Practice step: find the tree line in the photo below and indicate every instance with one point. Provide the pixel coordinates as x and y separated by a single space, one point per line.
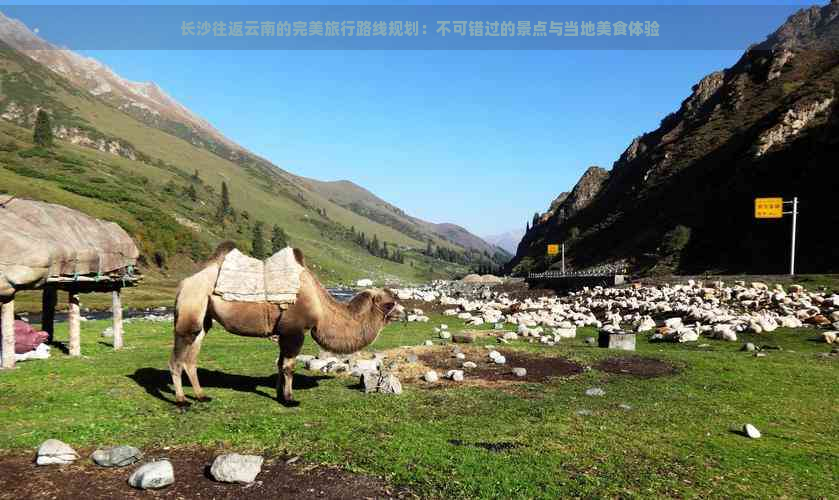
377 249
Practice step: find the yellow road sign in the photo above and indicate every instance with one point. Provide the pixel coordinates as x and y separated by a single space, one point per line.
553 249
769 208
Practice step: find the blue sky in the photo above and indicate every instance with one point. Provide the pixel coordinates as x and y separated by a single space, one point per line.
479 138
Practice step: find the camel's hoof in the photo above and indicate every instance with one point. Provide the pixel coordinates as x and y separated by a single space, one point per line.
204 399
182 406
289 403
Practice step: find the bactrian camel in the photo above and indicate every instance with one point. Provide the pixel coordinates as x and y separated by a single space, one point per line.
337 327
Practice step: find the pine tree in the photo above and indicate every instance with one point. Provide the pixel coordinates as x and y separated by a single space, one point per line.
196 177
279 240
225 198
43 130
258 244
192 193
535 219
224 208
374 245
428 249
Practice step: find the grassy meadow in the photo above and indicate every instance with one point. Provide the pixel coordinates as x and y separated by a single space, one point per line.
679 437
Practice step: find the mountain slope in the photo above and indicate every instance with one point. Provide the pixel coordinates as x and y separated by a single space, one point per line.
680 198
509 241
133 150
363 202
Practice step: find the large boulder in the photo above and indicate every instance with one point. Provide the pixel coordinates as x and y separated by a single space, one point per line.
53 451
153 475
116 456
235 468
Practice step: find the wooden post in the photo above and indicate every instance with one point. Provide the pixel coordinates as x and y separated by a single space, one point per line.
117 312
74 324
48 302
7 325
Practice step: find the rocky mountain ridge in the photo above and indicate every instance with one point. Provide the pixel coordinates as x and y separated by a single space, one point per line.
767 126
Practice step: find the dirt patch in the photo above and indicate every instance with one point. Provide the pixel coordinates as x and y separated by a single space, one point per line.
520 291
539 368
637 366
426 307
21 478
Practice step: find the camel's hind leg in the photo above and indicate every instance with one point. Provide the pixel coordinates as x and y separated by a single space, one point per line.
290 345
191 367
177 363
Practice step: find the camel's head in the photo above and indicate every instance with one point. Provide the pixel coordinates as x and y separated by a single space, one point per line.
385 302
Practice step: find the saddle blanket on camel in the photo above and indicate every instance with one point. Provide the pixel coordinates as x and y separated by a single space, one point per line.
245 279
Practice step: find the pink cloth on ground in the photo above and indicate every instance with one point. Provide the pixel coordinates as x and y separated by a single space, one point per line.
27 338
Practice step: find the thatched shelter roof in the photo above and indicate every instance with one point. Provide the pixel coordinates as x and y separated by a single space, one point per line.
43 242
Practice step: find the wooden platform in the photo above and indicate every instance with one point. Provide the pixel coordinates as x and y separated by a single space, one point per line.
74 286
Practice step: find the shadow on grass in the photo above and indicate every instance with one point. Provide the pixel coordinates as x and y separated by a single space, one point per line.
61 346
158 382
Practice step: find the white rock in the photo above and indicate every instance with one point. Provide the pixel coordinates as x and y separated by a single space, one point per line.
500 360
469 364
390 384
460 355
431 376
364 365
595 391
116 456
456 375
725 332
53 451
687 335
519 372
493 354
645 324
751 431
365 283
429 343
153 475
235 468
445 335
566 333
316 365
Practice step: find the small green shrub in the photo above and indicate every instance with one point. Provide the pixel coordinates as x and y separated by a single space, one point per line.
36 152
676 240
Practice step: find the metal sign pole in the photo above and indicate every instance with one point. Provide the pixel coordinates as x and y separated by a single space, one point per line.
794 221
563 258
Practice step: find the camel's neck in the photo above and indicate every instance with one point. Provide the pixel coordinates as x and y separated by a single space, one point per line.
342 331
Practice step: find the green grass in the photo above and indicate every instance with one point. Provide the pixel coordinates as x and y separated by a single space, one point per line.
676 441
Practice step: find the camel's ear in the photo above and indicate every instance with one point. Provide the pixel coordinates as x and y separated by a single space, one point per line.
298 256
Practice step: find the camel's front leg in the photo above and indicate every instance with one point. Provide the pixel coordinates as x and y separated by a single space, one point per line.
290 345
